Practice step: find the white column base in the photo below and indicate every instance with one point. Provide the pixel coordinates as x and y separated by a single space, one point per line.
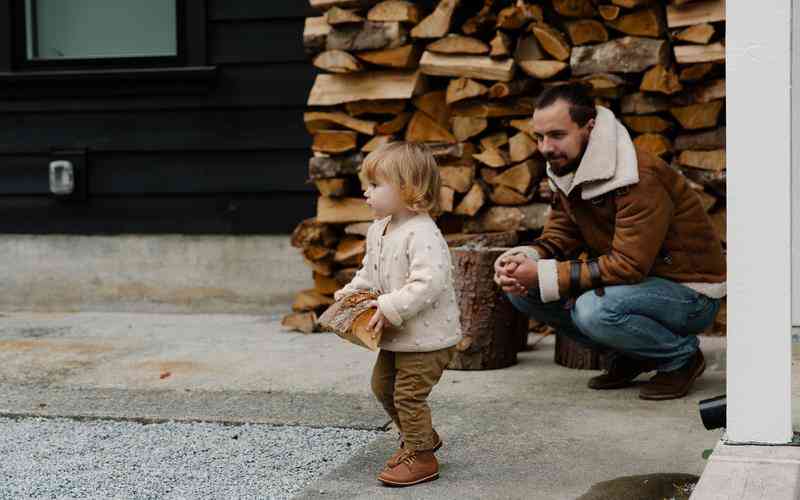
752 471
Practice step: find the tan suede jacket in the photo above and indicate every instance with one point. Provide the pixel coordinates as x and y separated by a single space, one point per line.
634 214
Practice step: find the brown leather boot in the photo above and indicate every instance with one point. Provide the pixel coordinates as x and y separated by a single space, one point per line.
393 460
620 374
674 384
414 467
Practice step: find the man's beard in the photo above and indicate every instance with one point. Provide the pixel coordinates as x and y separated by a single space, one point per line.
570 166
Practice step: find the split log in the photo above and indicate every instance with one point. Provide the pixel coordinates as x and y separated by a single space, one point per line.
437 24
472 202
712 180
643 104
350 252
345 276
394 125
500 46
532 217
543 69
502 90
687 54
656 144
459 179
495 141
334 141
423 128
465 127
446 199
697 116
375 107
342 210
322 267
552 41
395 10
336 16
493 157
317 120
528 49
505 196
492 327
481 67
647 124
699 33
520 177
305 322
575 355
464 88
645 22
709 140
661 79
696 72
574 8
705 160
333 187
357 229
312 232
586 31
434 104
519 15
403 57
326 285
311 300
709 91
707 11
523 126
523 106
609 12
623 55
315 34
629 4
326 167
316 252
459 44
485 20
376 142
366 36
521 147
330 90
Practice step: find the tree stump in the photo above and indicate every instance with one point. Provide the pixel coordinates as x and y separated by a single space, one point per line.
491 325
575 355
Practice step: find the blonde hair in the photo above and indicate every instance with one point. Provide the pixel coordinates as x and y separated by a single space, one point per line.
411 168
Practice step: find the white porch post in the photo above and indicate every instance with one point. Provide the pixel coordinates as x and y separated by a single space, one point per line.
759 230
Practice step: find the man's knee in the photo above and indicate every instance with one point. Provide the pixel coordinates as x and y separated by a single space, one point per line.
595 317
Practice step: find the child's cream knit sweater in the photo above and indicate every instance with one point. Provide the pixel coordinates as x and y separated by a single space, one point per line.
411 270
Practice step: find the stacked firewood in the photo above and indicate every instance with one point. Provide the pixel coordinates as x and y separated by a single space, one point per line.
463 76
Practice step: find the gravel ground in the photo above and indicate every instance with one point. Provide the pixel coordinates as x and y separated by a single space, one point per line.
62 458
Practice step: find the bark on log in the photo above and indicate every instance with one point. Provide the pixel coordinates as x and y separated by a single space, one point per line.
491 325
571 354
623 55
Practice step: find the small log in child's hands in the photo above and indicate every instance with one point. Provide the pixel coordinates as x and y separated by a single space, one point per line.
378 319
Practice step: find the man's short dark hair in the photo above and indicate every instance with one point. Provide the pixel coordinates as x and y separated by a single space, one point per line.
581 105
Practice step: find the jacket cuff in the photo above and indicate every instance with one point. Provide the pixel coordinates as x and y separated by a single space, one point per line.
388 310
548 280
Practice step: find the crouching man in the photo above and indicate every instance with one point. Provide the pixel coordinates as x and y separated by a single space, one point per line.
656 271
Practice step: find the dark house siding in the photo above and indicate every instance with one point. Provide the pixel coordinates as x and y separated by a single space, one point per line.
226 158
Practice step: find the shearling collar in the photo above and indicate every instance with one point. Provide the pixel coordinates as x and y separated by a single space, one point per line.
608 163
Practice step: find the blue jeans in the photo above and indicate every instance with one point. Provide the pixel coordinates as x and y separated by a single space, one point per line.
656 319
